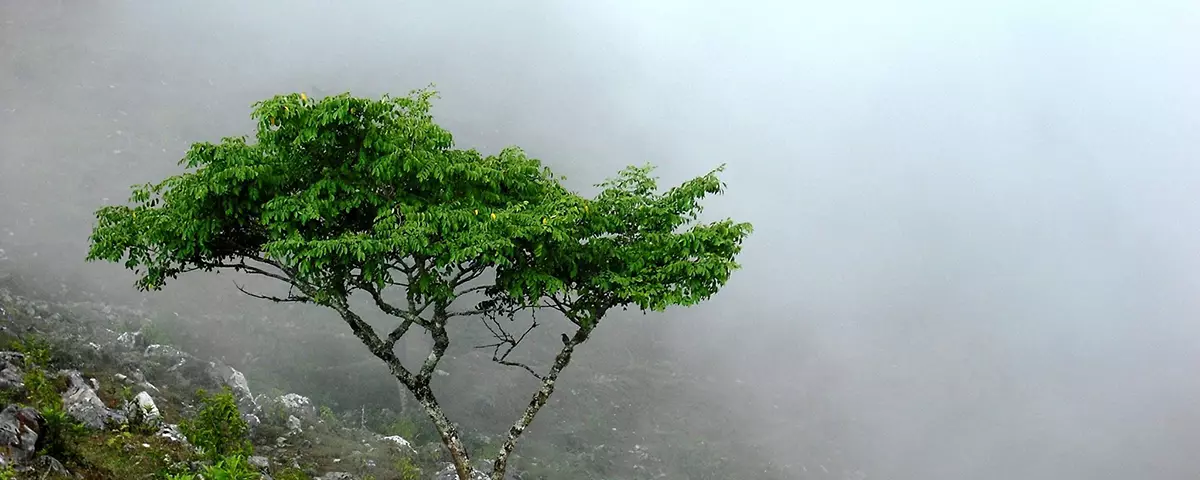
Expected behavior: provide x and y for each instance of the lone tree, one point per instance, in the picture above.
(347, 195)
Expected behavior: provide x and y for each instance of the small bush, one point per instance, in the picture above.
(231, 468)
(218, 428)
(38, 352)
(60, 434)
(292, 473)
(407, 470)
(42, 391)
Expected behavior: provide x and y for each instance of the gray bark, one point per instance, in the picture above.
(500, 464)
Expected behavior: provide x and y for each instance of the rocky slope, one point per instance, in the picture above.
(106, 373)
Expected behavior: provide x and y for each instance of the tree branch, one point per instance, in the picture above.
(509, 342)
(538, 401)
(290, 298)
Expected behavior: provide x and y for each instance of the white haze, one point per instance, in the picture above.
(976, 248)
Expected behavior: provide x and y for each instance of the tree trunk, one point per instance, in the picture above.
(500, 465)
(449, 433)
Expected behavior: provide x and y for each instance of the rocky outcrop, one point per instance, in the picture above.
(11, 375)
(236, 381)
(82, 403)
(144, 405)
(298, 405)
(400, 443)
(19, 429)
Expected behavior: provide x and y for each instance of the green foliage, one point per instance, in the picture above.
(338, 192)
(38, 352)
(407, 470)
(218, 428)
(415, 429)
(7, 473)
(42, 390)
(292, 473)
(327, 415)
(233, 467)
(60, 435)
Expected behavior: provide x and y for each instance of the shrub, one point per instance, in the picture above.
(60, 434)
(231, 468)
(218, 428)
(407, 470)
(38, 352)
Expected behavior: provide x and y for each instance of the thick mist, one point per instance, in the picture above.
(976, 248)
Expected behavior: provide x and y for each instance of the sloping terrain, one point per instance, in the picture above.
(124, 356)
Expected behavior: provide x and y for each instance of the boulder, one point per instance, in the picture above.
(143, 403)
(132, 340)
(449, 473)
(171, 432)
(236, 381)
(261, 463)
(82, 403)
(11, 375)
(19, 429)
(50, 467)
(297, 405)
(400, 443)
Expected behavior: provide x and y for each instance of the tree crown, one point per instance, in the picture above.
(345, 193)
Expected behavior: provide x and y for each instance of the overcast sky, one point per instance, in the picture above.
(976, 222)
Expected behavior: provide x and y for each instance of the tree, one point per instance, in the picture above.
(354, 196)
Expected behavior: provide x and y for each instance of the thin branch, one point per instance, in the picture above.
(290, 298)
(508, 342)
(467, 313)
(479, 288)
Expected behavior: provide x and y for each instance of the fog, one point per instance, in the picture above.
(976, 235)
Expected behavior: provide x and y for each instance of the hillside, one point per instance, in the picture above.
(103, 358)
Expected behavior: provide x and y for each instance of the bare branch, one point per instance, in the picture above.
(518, 365)
(467, 313)
(508, 342)
(479, 288)
(290, 298)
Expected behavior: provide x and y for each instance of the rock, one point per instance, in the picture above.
(11, 375)
(400, 442)
(337, 476)
(171, 432)
(449, 473)
(144, 403)
(132, 340)
(227, 375)
(298, 405)
(82, 403)
(261, 463)
(19, 428)
(50, 467)
(294, 424)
